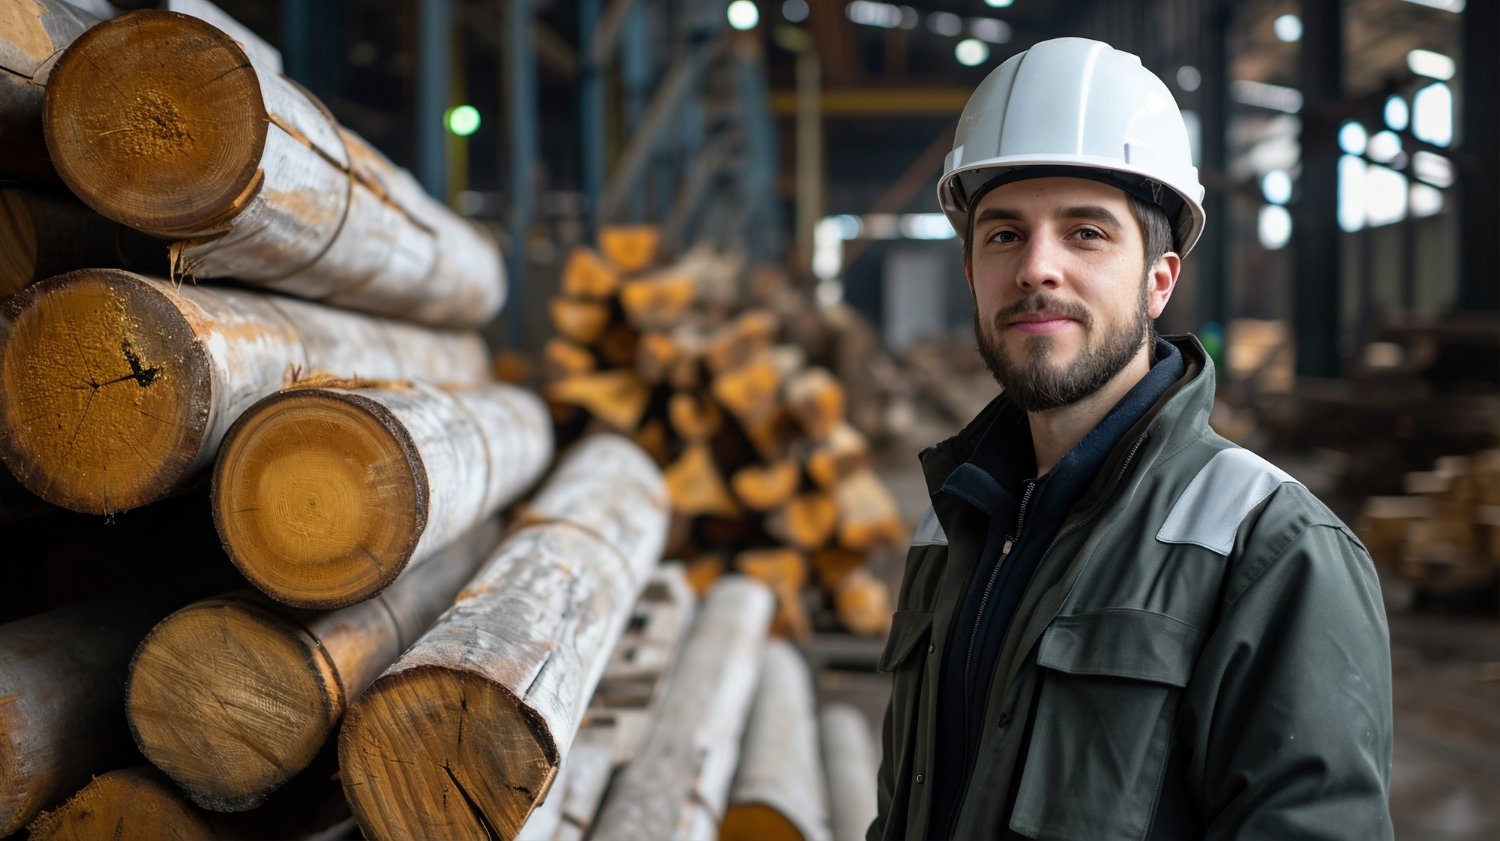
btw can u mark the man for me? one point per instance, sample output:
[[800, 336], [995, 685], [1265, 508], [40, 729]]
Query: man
[[1115, 623]]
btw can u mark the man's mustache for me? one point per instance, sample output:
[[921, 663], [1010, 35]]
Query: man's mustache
[[1043, 302]]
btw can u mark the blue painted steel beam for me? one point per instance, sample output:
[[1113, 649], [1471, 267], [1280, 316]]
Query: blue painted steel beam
[[521, 100], [591, 105], [434, 46]]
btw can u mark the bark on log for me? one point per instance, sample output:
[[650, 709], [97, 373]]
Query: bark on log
[[778, 789], [117, 388], [323, 496], [631, 248], [677, 785], [42, 235], [33, 32], [61, 680], [231, 696], [512, 663], [849, 760], [200, 142]]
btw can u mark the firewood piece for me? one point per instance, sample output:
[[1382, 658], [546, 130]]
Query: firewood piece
[[697, 486], [655, 354], [739, 341], [816, 400], [617, 397], [61, 678], [118, 388], [694, 418], [749, 392], [686, 373], [33, 33], [584, 322], [231, 736], [676, 787], [843, 453], [587, 276], [778, 790], [863, 603], [849, 759], [784, 570], [763, 487], [44, 235], [868, 517], [323, 496], [562, 359], [127, 804], [831, 564], [657, 302], [200, 142], [512, 664], [631, 248], [652, 437], [617, 346], [806, 521], [703, 571]]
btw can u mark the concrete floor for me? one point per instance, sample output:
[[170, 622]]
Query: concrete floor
[[1445, 780]]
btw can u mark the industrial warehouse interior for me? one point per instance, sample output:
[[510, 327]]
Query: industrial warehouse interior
[[516, 419]]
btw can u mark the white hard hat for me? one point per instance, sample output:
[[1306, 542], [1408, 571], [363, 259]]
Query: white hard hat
[[1072, 106]]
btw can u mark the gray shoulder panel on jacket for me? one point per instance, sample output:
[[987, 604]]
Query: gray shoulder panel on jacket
[[930, 531], [1227, 488]]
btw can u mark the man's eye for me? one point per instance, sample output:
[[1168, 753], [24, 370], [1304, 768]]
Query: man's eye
[[1089, 233], [1004, 237]]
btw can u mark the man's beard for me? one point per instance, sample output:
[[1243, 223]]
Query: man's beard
[[1037, 386]]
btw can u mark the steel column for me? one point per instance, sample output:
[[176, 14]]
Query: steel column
[[521, 108], [1315, 232], [1479, 187], [434, 45]]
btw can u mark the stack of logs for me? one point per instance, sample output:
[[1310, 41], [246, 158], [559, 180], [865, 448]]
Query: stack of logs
[[1444, 534], [338, 436], [767, 476]]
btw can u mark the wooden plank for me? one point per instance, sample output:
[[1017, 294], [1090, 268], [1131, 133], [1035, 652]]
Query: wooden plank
[[233, 695], [778, 790], [118, 388], [325, 495], [463, 735], [677, 785]]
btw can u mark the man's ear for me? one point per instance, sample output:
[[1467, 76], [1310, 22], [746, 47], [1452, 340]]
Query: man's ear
[[1160, 282]]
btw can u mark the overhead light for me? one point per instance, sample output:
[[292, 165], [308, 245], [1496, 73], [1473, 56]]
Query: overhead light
[[1386, 196], [1353, 138], [462, 120], [867, 13], [909, 18], [1434, 169], [1432, 114], [1444, 5], [971, 52], [743, 15], [1425, 200], [999, 4], [1276, 186], [945, 23], [1397, 114], [795, 11], [1430, 64], [1262, 95], [989, 29], [926, 226], [1288, 28], [1188, 78], [1384, 147], [1274, 227], [1351, 212]]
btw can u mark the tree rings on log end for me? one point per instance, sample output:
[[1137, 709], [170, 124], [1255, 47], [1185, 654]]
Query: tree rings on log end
[[438, 753], [756, 822], [171, 147], [320, 497], [231, 700], [131, 804], [104, 392]]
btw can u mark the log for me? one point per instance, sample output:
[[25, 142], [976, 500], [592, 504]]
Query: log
[[652, 437], [740, 341], [252, 43], [512, 663], [703, 571], [34, 32], [849, 759], [618, 397], [778, 789], [697, 486], [42, 235], [657, 302], [863, 603], [233, 695], [61, 676], [868, 517], [655, 354], [763, 487], [807, 521], [199, 142], [693, 417], [749, 392], [562, 359], [677, 785], [117, 388], [831, 563], [579, 321], [617, 347], [126, 804], [843, 453], [587, 276], [784, 570], [631, 248], [816, 400], [324, 495]]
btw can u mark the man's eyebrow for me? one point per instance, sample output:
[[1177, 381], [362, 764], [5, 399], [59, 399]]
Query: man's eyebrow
[[1093, 213], [991, 213]]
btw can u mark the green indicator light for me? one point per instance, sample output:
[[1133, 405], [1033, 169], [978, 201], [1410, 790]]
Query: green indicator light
[[463, 120]]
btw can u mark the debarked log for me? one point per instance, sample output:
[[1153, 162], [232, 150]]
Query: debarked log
[[324, 495], [463, 735], [233, 695], [34, 31], [850, 759], [165, 123], [116, 389]]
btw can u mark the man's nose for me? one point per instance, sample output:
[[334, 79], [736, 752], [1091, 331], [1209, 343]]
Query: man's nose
[[1041, 265]]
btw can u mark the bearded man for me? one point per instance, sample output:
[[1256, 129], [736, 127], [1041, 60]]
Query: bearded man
[[1114, 623]]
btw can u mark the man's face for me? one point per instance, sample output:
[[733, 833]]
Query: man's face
[[1062, 299]]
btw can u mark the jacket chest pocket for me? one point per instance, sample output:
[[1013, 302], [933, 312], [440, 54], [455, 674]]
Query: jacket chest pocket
[[1111, 681]]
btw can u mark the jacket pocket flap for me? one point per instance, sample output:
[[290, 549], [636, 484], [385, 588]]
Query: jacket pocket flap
[[1122, 642], [909, 629]]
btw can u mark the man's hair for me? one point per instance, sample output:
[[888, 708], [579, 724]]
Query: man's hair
[[1156, 230]]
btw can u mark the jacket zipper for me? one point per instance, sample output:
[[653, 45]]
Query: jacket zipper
[[989, 586]]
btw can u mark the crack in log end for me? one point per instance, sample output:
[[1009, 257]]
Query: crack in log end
[[119, 830], [484, 822], [524, 790]]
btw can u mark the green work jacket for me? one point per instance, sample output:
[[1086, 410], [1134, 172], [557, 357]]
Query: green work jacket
[[1202, 652]]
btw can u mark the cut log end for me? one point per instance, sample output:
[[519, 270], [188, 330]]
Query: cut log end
[[320, 497], [101, 425], [756, 822], [172, 147], [230, 700], [435, 753], [132, 804]]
